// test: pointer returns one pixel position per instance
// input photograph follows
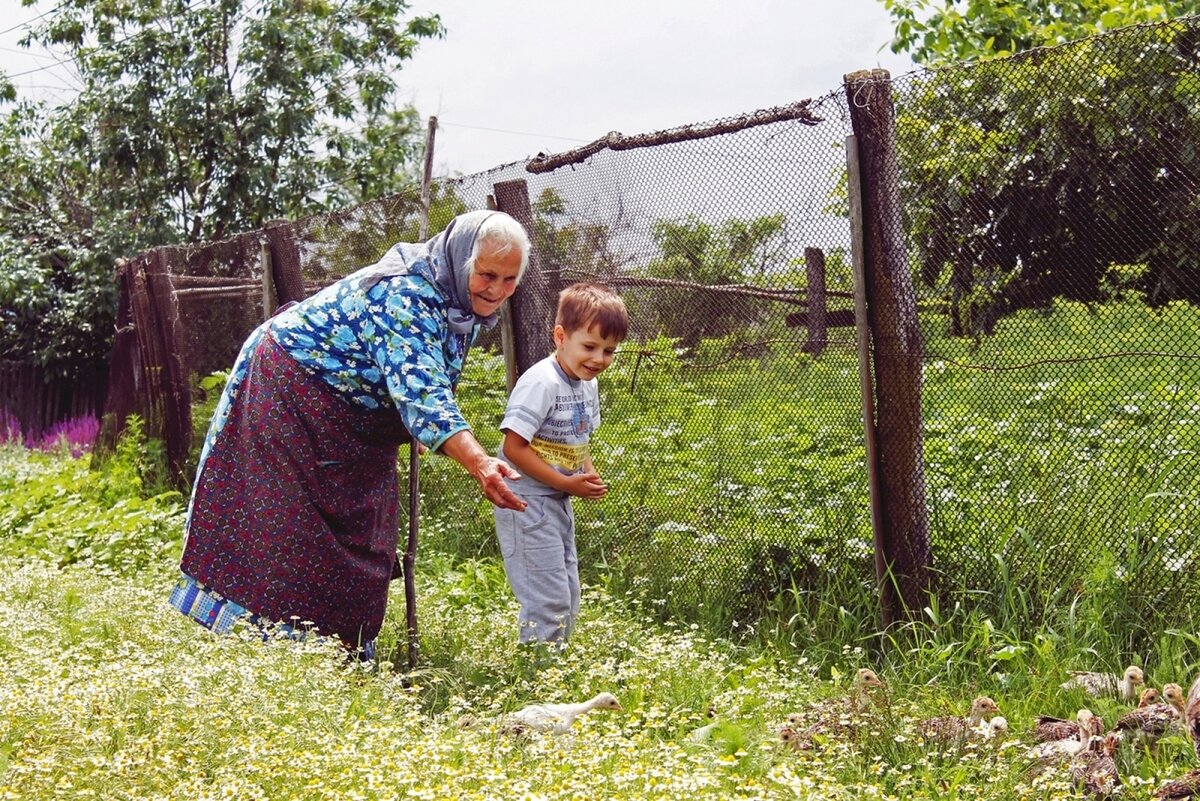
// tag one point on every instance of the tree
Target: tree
(943, 31)
(1029, 178)
(53, 308)
(201, 118)
(198, 119)
(694, 251)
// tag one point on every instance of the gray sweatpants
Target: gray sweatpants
(538, 546)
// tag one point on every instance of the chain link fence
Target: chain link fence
(1051, 203)
(1047, 219)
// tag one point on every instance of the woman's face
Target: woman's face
(494, 278)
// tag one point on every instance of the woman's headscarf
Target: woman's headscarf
(443, 259)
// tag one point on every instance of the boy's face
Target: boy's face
(583, 353)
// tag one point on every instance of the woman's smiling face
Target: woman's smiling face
(494, 278)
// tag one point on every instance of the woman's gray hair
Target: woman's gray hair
(503, 233)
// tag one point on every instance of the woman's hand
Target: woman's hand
(491, 477)
(489, 471)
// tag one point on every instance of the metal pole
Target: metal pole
(863, 330)
(414, 500)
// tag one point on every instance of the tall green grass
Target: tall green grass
(107, 692)
(1060, 461)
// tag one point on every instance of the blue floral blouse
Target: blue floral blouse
(386, 346)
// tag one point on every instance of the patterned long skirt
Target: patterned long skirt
(294, 511)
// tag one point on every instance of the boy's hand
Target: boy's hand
(585, 485)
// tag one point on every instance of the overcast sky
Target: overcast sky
(515, 77)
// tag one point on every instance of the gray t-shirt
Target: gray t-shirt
(556, 415)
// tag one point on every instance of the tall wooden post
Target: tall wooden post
(176, 397)
(818, 338)
(285, 262)
(532, 306)
(409, 560)
(895, 335)
(862, 327)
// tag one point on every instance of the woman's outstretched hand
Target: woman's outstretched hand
(491, 479)
(489, 471)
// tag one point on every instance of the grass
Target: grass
(108, 693)
(728, 574)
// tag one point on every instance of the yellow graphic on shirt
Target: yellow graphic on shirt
(561, 455)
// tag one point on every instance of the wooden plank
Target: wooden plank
(177, 408)
(120, 401)
(867, 389)
(270, 301)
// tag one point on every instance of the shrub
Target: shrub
(116, 518)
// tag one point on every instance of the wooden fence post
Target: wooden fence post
(176, 396)
(862, 328)
(896, 337)
(818, 338)
(409, 560)
(532, 306)
(124, 369)
(285, 262)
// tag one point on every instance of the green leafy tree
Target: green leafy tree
(943, 31)
(53, 306)
(200, 119)
(697, 252)
(583, 248)
(1028, 178)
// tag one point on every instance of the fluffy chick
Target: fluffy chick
(1124, 686)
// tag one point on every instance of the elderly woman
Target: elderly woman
(293, 517)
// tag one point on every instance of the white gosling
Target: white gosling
(990, 731)
(554, 718)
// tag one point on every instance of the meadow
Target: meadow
(107, 693)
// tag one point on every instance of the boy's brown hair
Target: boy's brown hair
(587, 304)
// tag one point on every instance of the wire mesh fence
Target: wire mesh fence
(1050, 203)
(1047, 221)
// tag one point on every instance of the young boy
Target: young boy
(552, 411)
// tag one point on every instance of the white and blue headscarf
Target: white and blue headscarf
(442, 260)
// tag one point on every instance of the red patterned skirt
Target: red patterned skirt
(294, 513)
